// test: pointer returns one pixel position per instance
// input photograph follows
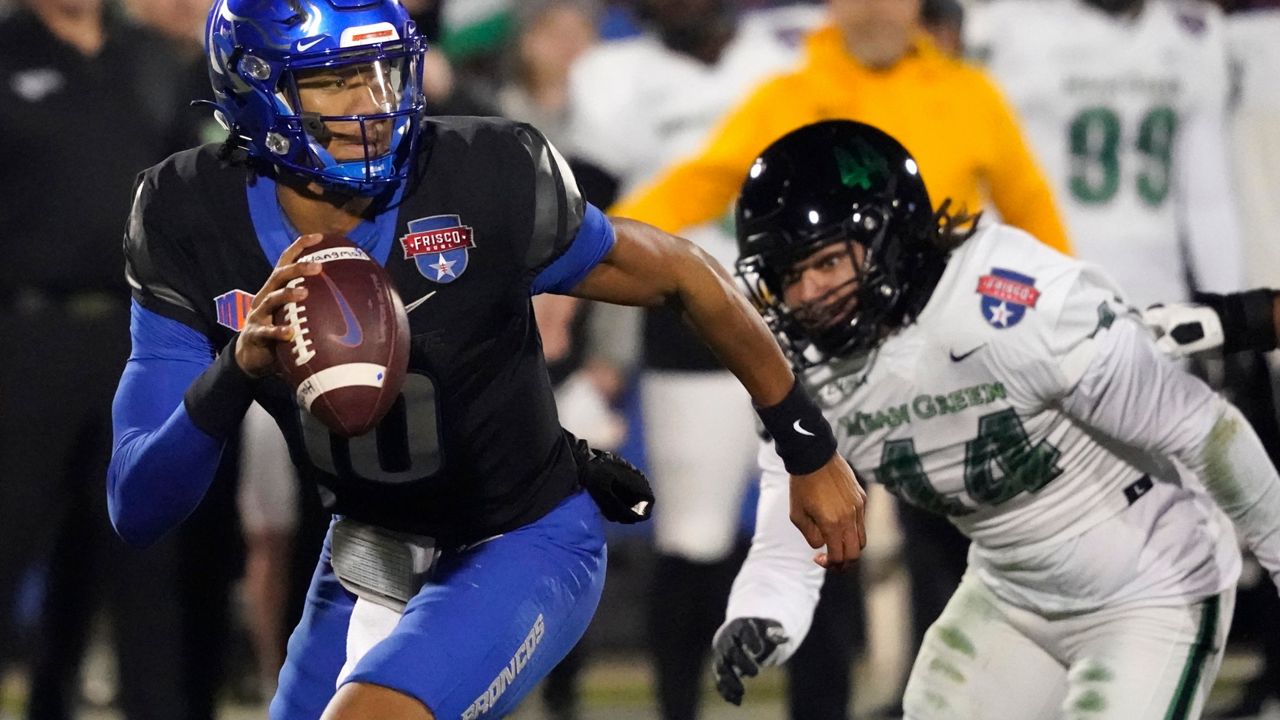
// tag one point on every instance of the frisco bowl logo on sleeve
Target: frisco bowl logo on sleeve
(233, 308)
(439, 246)
(1006, 295)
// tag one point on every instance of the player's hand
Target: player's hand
(619, 489)
(827, 506)
(740, 647)
(255, 347)
(1183, 330)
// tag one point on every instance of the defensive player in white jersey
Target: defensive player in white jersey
(637, 106)
(980, 374)
(1124, 103)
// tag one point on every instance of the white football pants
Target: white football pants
(986, 659)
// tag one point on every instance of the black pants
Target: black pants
(59, 370)
(57, 373)
(819, 675)
(935, 554)
(686, 605)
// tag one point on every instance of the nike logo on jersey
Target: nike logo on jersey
(962, 356)
(796, 426)
(305, 46)
(409, 308)
(1138, 489)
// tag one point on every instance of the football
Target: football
(350, 347)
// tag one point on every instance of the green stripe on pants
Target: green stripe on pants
(1183, 697)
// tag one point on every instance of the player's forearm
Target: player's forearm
(737, 335)
(731, 327)
(1235, 469)
(157, 475)
(779, 580)
(649, 267)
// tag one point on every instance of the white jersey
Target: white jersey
(637, 107)
(1128, 119)
(1255, 137)
(1029, 405)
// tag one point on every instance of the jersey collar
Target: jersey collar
(275, 232)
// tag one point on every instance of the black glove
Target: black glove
(739, 648)
(619, 488)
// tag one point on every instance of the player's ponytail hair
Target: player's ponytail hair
(951, 229)
(947, 231)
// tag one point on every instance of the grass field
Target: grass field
(620, 688)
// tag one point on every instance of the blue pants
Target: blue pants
(494, 620)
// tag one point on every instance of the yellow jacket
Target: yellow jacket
(947, 113)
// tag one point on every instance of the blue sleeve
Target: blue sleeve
(161, 464)
(594, 240)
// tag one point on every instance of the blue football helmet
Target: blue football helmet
(328, 89)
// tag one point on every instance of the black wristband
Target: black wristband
(1248, 319)
(801, 435)
(218, 398)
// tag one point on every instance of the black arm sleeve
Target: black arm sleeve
(1248, 319)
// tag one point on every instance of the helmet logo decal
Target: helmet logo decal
(860, 167)
(368, 34)
(1006, 295)
(440, 246)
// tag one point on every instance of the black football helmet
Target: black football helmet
(838, 181)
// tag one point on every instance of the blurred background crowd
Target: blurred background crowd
(659, 105)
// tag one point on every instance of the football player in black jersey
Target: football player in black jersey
(464, 560)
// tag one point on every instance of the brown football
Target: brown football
(350, 347)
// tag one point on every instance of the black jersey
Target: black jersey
(474, 447)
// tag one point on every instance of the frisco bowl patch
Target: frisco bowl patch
(1006, 295)
(440, 247)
